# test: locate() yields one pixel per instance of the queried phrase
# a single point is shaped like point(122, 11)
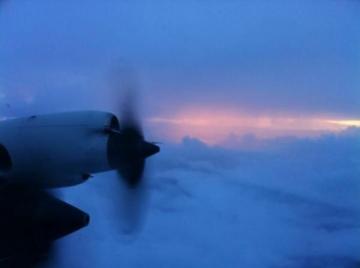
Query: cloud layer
point(292, 204)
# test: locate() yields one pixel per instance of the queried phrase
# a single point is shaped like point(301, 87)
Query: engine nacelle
point(55, 150)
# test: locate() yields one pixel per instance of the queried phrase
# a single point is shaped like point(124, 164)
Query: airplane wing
point(30, 221)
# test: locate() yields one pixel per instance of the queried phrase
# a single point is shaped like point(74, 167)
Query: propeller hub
point(149, 149)
point(127, 149)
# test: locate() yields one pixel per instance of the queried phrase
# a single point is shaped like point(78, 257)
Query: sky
point(257, 104)
point(281, 67)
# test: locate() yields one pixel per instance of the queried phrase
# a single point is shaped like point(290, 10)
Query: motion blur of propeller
point(128, 151)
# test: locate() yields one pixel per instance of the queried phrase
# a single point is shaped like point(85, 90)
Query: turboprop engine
point(65, 149)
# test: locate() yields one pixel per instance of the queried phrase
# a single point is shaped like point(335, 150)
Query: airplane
point(43, 152)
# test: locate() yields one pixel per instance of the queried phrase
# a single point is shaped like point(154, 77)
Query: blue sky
point(259, 58)
point(257, 102)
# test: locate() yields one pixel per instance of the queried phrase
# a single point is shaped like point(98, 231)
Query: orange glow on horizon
point(217, 126)
point(346, 123)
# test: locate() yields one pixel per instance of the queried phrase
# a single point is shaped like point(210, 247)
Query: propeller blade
point(128, 151)
point(133, 206)
point(130, 121)
point(132, 172)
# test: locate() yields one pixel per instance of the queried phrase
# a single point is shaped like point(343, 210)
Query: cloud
point(290, 204)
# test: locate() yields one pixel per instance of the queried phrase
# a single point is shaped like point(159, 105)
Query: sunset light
point(215, 127)
point(346, 123)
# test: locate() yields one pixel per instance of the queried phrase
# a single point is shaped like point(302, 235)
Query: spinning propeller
point(128, 151)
